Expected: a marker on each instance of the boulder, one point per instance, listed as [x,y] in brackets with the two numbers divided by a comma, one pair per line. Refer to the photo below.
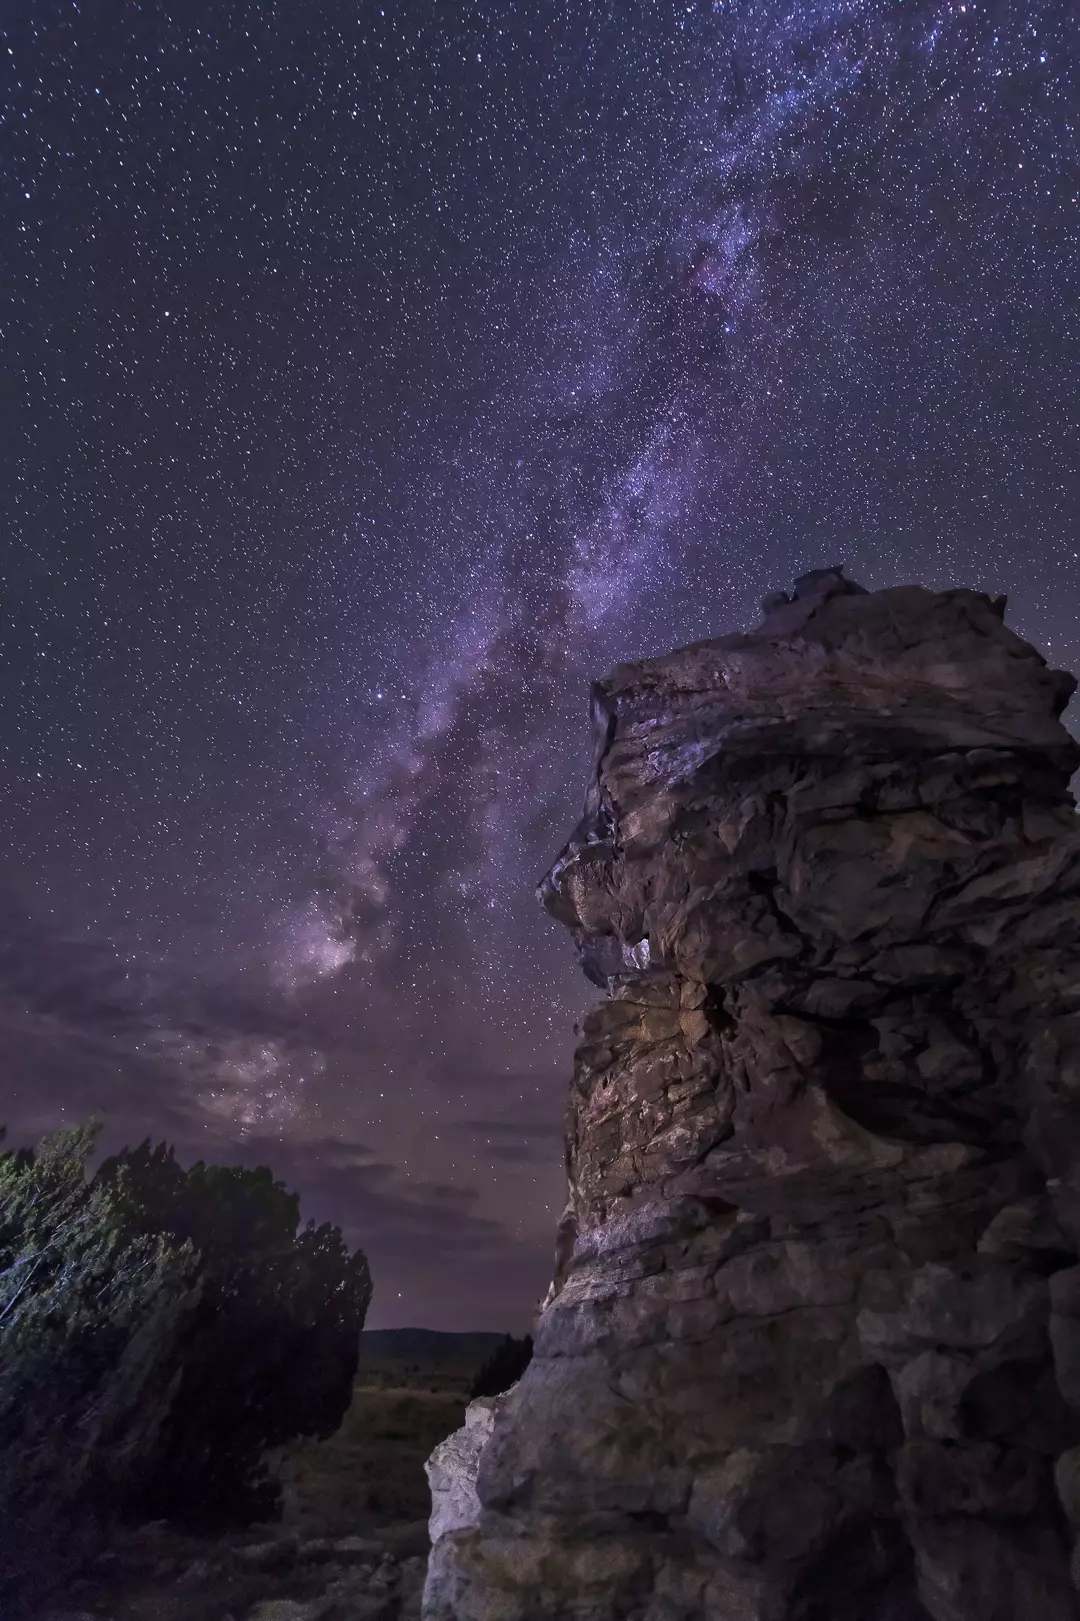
[455,1506]
[289,1609]
[451,1469]
[270,1554]
[812,1347]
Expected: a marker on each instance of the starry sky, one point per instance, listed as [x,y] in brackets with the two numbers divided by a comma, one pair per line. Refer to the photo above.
[373,377]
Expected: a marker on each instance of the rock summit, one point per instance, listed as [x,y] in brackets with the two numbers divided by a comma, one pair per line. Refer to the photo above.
[812,1349]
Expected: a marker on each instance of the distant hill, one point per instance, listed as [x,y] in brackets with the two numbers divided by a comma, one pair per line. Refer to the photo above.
[428,1346]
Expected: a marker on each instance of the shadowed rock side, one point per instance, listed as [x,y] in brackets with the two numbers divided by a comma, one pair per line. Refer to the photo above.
[813,1346]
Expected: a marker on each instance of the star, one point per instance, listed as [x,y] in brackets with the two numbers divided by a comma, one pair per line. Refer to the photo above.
[502,344]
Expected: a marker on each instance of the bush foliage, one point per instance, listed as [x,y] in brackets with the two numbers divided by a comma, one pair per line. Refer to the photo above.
[160,1330]
[503,1367]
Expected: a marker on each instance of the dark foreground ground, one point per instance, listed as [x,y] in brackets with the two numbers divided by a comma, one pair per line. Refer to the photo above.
[352,1542]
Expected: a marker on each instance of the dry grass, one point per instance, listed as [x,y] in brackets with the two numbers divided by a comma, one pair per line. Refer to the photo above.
[371,1473]
[367,1480]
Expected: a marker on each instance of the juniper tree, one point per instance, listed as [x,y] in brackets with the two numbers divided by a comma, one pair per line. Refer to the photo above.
[161,1330]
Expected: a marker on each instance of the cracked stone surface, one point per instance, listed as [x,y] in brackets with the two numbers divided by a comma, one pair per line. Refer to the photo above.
[812,1349]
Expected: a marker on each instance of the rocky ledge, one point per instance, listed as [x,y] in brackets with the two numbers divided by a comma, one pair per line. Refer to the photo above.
[812,1351]
[156,1573]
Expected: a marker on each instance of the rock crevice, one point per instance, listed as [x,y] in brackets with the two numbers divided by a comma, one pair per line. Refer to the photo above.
[812,1350]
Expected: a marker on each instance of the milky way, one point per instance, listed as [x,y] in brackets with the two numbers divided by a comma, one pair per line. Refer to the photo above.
[375,377]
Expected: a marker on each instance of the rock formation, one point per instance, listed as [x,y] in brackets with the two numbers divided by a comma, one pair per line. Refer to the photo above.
[812,1352]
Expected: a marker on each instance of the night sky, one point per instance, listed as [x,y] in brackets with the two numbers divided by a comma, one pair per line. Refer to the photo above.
[373,377]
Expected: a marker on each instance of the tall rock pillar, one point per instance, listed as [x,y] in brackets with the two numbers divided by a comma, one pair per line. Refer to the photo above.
[812,1352]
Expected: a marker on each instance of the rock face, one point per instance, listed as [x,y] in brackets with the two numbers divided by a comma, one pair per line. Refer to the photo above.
[812,1352]
[452,1470]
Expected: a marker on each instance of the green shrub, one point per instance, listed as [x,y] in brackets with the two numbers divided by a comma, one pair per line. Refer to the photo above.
[503,1367]
[161,1329]
[270,1350]
[90,1315]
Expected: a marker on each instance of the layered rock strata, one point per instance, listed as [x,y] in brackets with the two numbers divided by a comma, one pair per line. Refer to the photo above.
[812,1352]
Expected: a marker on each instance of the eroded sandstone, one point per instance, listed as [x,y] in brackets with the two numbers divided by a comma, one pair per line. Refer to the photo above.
[812,1351]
